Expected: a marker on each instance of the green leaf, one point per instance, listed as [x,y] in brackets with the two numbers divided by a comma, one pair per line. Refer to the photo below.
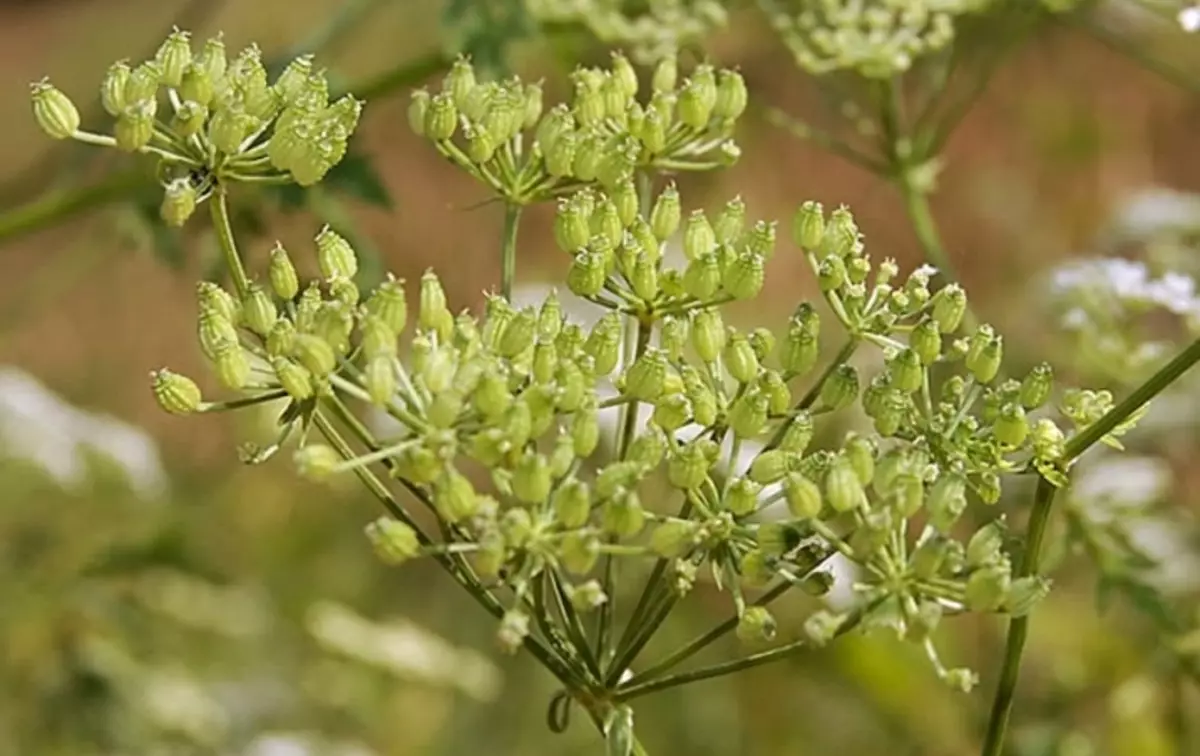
[356,177]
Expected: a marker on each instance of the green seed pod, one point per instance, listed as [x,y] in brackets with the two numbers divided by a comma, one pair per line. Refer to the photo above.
[743,278]
[1011,427]
[571,228]
[1036,387]
[292,83]
[604,343]
[1023,594]
[518,334]
[687,467]
[282,274]
[704,405]
[444,410]
[624,198]
[258,310]
[731,97]
[173,57]
[432,313]
[214,331]
[442,117]
[947,501]
[389,304]
[907,494]
[437,372]
[545,362]
[803,496]
[189,119]
[334,322]
[54,112]
[843,489]
[418,111]
[585,432]
[531,480]
[513,630]
[702,277]
[698,235]
[178,202]
[986,363]
[142,83]
[175,393]
[578,551]
[779,398]
[481,144]
[232,366]
[770,466]
[986,546]
[861,451]
[840,388]
[623,516]
[316,354]
[926,341]
[392,541]
[379,377]
[460,80]
[708,334]
[294,379]
[587,274]
[808,226]
[760,239]
[532,104]
[798,434]
[799,351]
[572,505]
[1047,440]
[211,58]
[644,280]
[227,128]
[560,156]
[418,464]
[730,221]
[666,74]
[757,568]
[742,497]
[112,89]
[673,538]
[987,588]
[335,256]
[618,476]
[646,378]
[454,497]
[906,370]
[949,306]
[756,625]
[748,414]
[841,233]
[694,107]
[672,411]
[624,75]
[831,273]
[740,360]
[666,214]
[317,462]
[135,126]
[588,154]
[212,297]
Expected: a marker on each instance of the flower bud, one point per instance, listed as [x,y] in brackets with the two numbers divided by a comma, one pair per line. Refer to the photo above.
[175,393]
[840,388]
[808,226]
[112,89]
[698,236]
[623,516]
[744,277]
[947,501]
[1035,389]
[135,126]
[317,461]
[949,306]
[645,379]
[173,57]
[731,95]
[54,112]
[740,360]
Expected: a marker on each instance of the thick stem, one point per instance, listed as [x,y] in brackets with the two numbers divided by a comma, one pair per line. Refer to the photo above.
[220,218]
[508,254]
[1018,629]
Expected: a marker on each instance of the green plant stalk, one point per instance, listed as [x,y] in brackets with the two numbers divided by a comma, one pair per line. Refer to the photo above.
[219,207]
[508,254]
[1018,628]
[628,692]
[810,397]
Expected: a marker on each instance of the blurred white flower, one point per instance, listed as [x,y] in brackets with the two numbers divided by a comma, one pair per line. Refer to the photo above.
[1155,211]
[1110,483]
[233,611]
[38,426]
[177,703]
[1189,18]
[405,650]
[302,744]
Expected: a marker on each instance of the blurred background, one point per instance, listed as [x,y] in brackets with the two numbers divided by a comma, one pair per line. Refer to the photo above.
[159,597]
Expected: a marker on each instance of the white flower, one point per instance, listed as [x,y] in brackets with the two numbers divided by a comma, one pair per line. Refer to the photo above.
[1189,18]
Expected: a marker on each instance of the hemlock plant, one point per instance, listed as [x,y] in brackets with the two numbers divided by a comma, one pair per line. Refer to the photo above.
[541,520]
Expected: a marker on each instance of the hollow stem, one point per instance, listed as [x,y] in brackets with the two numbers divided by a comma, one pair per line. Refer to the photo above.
[508,254]
[219,208]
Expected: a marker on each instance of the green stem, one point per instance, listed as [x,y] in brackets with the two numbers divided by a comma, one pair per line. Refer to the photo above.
[58,204]
[1018,629]
[810,397]
[220,218]
[508,254]
[628,692]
